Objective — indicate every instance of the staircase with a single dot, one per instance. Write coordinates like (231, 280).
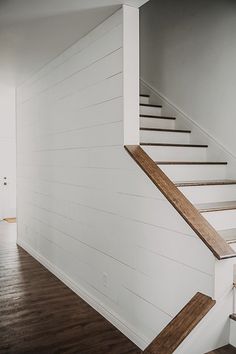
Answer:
(203, 182)
(203, 196)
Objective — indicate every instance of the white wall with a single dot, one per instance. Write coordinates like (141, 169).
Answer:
(55, 24)
(85, 209)
(188, 53)
(7, 152)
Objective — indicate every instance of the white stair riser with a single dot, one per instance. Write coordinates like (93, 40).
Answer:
(157, 123)
(149, 136)
(154, 111)
(228, 235)
(171, 153)
(144, 100)
(233, 245)
(194, 172)
(232, 339)
(209, 194)
(221, 220)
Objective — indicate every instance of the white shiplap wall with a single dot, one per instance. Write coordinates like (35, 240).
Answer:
(85, 209)
(7, 152)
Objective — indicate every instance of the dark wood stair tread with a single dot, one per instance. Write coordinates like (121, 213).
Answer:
(231, 242)
(157, 117)
(233, 317)
(219, 206)
(174, 145)
(167, 130)
(227, 349)
(144, 95)
(206, 183)
(150, 105)
(189, 163)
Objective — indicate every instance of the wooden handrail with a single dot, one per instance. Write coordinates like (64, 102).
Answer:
(217, 245)
(180, 327)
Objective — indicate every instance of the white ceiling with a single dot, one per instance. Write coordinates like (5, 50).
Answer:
(32, 32)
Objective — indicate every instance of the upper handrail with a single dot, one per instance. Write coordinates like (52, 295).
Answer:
(216, 244)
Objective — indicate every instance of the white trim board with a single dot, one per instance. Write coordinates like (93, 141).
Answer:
(129, 331)
(216, 150)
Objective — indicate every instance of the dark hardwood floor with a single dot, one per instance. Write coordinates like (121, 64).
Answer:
(228, 349)
(39, 314)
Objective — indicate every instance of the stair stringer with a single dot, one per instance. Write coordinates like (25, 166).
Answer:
(214, 330)
(216, 151)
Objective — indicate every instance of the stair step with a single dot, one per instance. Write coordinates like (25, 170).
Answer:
(168, 136)
(214, 192)
(223, 219)
(228, 235)
(144, 99)
(222, 216)
(180, 172)
(151, 105)
(143, 95)
(206, 183)
(174, 145)
(157, 117)
(233, 317)
(175, 152)
(227, 349)
(150, 109)
(156, 122)
(231, 242)
(167, 130)
(189, 163)
(212, 207)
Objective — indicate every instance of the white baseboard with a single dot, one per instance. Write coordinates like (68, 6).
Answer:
(109, 315)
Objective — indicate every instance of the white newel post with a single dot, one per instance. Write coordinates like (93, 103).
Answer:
(131, 74)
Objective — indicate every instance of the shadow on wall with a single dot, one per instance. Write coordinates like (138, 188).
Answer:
(21, 54)
(188, 54)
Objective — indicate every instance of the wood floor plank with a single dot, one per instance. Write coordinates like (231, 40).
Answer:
(228, 349)
(40, 315)
(10, 220)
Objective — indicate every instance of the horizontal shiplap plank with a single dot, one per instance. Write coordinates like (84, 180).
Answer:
(94, 136)
(114, 180)
(105, 90)
(161, 242)
(151, 211)
(105, 112)
(141, 284)
(80, 65)
(91, 38)
(98, 71)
